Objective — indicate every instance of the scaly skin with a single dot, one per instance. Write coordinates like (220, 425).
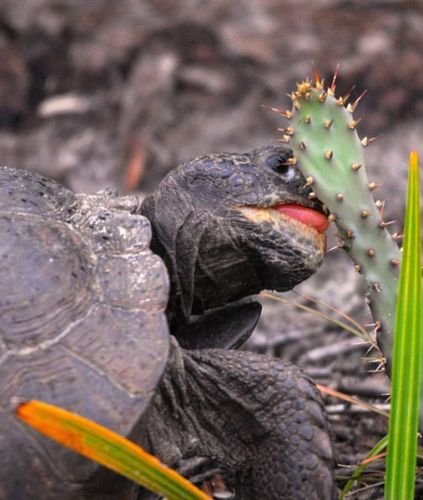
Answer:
(258, 421)
(329, 152)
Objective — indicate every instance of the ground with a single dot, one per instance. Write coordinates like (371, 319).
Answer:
(105, 93)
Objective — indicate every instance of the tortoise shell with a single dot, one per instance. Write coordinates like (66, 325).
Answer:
(82, 321)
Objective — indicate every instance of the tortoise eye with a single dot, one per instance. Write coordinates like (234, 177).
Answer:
(278, 163)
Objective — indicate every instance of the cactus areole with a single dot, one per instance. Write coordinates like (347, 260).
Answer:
(322, 133)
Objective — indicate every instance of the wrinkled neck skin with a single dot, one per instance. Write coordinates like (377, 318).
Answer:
(206, 266)
(224, 272)
(271, 429)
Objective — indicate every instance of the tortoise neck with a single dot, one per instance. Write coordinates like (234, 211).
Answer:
(207, 269)
(224, 272)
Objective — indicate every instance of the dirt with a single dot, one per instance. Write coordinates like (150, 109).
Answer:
(102, 93)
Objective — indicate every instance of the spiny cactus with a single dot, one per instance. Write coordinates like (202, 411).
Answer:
(328, 150)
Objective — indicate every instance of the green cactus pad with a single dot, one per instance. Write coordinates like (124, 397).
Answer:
(328, 150)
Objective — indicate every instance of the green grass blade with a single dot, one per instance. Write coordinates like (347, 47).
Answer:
(407, 355)
(378, 448)
(107, 448)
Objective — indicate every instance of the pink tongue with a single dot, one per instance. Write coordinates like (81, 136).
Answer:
(305, 215)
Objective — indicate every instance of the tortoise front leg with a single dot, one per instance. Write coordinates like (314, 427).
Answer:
(258, 419)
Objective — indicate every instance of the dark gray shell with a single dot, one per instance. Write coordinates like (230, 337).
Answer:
(82, 323)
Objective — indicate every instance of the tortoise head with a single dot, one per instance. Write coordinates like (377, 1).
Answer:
(231, 225)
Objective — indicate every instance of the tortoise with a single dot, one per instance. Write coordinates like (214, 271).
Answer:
(131, 314)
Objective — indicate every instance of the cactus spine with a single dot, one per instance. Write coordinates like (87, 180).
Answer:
(323, 136)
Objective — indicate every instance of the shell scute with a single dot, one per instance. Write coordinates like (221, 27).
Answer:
(46, 279)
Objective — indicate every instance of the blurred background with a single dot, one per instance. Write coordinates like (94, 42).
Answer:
(106, 93)
(103, 93)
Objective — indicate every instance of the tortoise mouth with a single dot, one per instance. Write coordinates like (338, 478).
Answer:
(311, 217)
(308, 216)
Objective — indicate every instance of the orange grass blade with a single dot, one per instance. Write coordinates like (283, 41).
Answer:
(349, 399)
(375, 458)
(107, 448)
